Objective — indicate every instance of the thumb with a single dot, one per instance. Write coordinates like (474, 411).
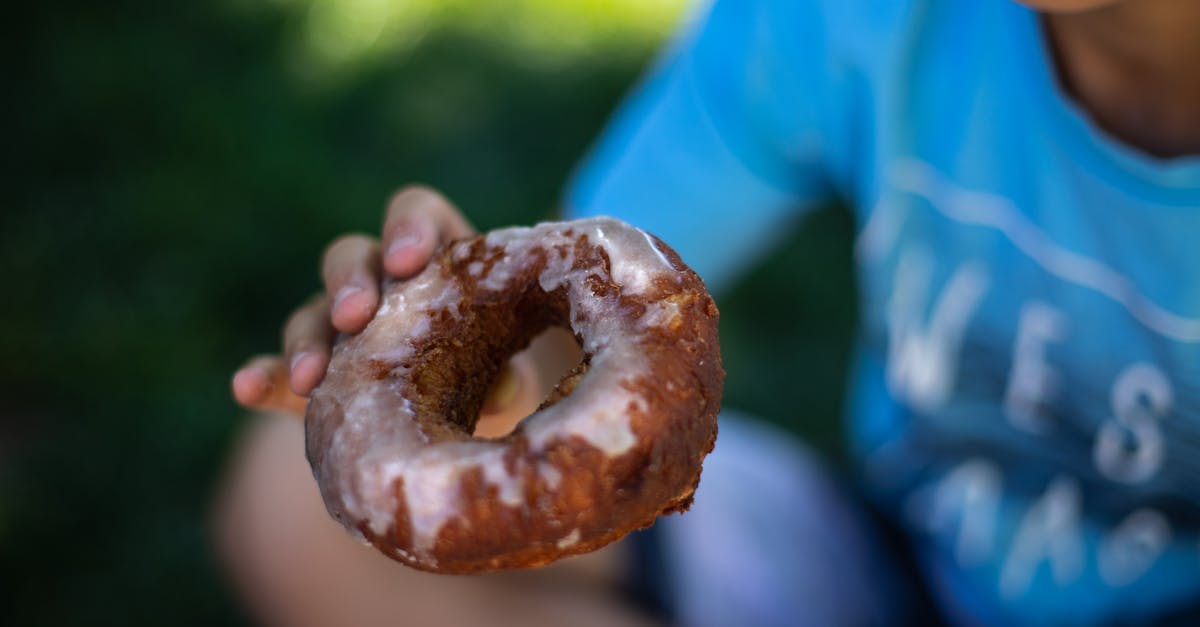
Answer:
(513, 396)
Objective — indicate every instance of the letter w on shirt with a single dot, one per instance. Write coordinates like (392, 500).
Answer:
(923, 354)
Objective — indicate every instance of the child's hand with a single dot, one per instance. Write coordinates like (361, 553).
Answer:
(418, 220)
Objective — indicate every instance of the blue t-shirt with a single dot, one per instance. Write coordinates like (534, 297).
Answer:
(1026, 396)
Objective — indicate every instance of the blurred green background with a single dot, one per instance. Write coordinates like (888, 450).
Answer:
(176, 169)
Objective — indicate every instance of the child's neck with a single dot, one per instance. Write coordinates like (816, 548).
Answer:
(1135, 66)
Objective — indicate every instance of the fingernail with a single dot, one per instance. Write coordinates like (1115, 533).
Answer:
(406, 236)
(295, 360)
(346, 292)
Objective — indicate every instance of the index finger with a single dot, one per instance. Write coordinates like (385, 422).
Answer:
(418, 219)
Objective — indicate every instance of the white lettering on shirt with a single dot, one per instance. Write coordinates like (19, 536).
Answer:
(1129, 448)
(1049, 532)
(922, 358)
(1133, 547)
(969, 495)
(1032, 381)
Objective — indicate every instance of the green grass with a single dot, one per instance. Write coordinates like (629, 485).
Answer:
(177, 169)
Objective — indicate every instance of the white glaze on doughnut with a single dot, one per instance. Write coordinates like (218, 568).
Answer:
(550, 474)
(378, 443)
(660, 314)
(571, 539)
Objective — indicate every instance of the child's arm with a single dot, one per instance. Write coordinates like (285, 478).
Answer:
(736, 131)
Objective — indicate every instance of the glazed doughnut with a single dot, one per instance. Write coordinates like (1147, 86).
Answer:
(618, 442)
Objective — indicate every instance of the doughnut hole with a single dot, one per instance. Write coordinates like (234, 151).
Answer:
(536, 371)
(467, 352)
(464, 355)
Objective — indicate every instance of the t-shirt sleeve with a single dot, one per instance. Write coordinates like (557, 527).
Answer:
(721, 145)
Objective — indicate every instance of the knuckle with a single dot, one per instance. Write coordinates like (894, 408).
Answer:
(345, 244)
(302, 318)
(292, 326)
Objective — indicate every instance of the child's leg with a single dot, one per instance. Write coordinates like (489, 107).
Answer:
(293, 565)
